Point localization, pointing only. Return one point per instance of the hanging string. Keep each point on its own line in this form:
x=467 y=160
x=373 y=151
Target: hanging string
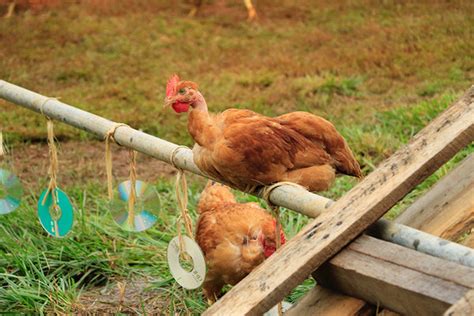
x=53 y=171
x=181 y=189
x=109 y=136
x=275 y=210
x=133 y=193
x=3 y=151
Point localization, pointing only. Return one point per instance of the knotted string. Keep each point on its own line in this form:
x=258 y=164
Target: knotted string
x=275 y=210
x=109 y=136
x=133 y=193
x=181 y=189
x=43 y=103
x=53 y=171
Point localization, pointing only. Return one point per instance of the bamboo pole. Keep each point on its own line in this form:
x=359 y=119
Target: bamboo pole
x=287 y=196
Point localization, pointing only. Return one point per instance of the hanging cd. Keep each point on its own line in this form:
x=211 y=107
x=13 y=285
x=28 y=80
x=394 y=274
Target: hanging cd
x=56 y=218
x=147 y=203
x=188 y=279
x=10 y=192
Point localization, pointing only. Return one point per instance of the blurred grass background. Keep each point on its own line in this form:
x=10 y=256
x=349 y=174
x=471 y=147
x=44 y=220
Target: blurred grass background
x=379 y=70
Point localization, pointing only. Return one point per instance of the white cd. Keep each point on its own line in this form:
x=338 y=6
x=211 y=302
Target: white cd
x=188 y=279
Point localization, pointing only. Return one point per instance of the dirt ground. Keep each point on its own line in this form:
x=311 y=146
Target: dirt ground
x=125 y=296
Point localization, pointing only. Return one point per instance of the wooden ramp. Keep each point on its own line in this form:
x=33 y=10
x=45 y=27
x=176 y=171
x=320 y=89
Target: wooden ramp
x=350 y=216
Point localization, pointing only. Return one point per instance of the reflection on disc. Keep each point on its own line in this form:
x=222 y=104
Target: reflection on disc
x=56 y=219
x=147 y=203
x=10 y=192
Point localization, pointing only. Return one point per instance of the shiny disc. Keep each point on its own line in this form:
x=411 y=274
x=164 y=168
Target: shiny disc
x=188 y=279
x=56 y=219
x=147 y=204
x=10 y=192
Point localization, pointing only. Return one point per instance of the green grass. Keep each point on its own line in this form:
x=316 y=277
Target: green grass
x=373 y=71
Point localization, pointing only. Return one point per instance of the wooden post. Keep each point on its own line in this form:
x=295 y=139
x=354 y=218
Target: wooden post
x=398 y=278
x=353 y=213
x=323 y=301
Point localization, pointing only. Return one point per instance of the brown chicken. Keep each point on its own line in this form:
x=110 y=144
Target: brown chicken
x=247 y=149
x=234 y=237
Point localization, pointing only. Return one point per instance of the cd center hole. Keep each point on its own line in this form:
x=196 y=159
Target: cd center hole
x=55 y=212
x=186 y=262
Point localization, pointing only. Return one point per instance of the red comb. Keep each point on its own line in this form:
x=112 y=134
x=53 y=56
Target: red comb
x=171 y=85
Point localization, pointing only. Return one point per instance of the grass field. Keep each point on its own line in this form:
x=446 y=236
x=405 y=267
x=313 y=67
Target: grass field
x=380 y=72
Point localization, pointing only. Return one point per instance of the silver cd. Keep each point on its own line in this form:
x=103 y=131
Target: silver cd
x=11 y=192
x=146 y=207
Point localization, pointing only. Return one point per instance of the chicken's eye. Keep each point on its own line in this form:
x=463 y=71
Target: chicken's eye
x=254 y=237
x=182 y=91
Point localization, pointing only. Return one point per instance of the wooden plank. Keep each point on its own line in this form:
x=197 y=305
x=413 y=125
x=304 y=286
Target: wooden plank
x=399 y=278
x=447 y=209
x=323 y=301
x=353 y=213
x=463 y=307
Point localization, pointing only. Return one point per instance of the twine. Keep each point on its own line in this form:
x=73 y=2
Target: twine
x=109 y=136
x=181 y=189
x=133 y=193
x=3 y=151
x=53 y=171
x=275 y=210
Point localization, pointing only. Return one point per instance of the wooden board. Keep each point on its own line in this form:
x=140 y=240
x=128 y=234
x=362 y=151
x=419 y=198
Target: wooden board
x=323 y=301
x=396 y=277
x=353 y=213
x=447 y=209
x=463 y=307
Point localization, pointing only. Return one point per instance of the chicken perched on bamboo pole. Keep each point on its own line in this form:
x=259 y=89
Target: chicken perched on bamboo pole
x=247 y=150
x=235 y=237
x=251 y=12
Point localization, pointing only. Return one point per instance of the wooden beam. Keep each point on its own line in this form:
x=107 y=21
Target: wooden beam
x=447 y=209
x=396 y=277
x=463 y=307
x=353 y=213
x=323 y=301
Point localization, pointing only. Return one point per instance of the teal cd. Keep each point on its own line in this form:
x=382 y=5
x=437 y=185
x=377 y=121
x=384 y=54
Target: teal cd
x=146 y=206
x=10 y=192
x=56 y=218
